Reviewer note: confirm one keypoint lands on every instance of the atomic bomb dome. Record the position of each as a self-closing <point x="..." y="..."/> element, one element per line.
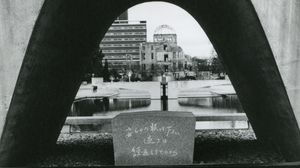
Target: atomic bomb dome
<point x="164" y="29"/>
<point x="165" y="33"/>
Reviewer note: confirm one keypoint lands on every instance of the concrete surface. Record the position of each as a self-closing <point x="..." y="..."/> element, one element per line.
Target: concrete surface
<point x="16" y="23"/>
<point x="281" y="22"/>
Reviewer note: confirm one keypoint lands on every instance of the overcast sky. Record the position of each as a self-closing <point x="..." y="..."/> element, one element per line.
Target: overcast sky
<point x="190" y="35"/>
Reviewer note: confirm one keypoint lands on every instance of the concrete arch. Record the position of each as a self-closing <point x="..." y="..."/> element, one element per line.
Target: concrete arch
<point x="65" y="34"/>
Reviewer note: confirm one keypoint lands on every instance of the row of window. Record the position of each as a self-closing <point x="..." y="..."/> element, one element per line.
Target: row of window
<point x="124" y="33"/>
<point x="126" y="27"/>
<point x="120" y="51"/>
<point x="128" y="57"/>
<point x="119" y="45"/>
<point x="122" y="62"/>
<point x="124" y="39"/>
<point x="144" y="47"/>
<point x="164" y="47"/>
<point x="144" y="56"/>
<point x="165" y="58"/>
<point x="144" y="66"/>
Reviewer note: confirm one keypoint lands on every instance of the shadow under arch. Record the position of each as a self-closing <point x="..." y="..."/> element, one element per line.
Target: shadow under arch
<point x="65" y="34"/>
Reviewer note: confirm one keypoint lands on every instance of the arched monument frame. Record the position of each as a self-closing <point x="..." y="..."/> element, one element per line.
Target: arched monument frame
<point x="66" y="33"/>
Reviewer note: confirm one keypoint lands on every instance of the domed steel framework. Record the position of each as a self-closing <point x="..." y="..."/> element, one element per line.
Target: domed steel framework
<point x="164" y="29"/>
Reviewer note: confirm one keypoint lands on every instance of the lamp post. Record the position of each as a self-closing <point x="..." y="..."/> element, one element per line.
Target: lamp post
<point x="164" y="96"/>
<point x="129" y="73"/>
<point x="129" y="59"/>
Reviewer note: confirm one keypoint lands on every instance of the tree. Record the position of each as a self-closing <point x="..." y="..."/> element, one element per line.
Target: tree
<point x="97" y="63"/>
<point x="106" y="72"/>
<point x="201" y="64"/>
<point x="94" y="66"/>
<point x="114" y="73"/>
<point x="216" y="66"/>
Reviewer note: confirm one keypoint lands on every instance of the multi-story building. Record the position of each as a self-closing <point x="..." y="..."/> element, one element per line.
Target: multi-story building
<point x="163" y="55"/>
<point x="121" y="43"/>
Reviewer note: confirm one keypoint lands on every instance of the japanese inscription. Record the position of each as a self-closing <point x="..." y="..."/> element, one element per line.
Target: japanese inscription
<point x="151" y="138"/>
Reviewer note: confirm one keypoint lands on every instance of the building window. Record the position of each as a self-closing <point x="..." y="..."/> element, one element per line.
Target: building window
<point x="152" y="56"/>
<point x="143" y="56"/>
<point x="151" y="47"/>
<point x="152" y="67"/>
<point x="166" y="57"/>
<point x="144" y="67"/>
<point x="165" y="47"/>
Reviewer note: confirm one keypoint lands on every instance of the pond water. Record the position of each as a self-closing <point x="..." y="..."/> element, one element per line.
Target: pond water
<point x="98" y="107"/>
<point x="212" y="105"/>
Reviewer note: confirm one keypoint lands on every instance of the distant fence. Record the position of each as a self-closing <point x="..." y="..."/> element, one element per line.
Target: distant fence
<point x="106" y="120"/>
